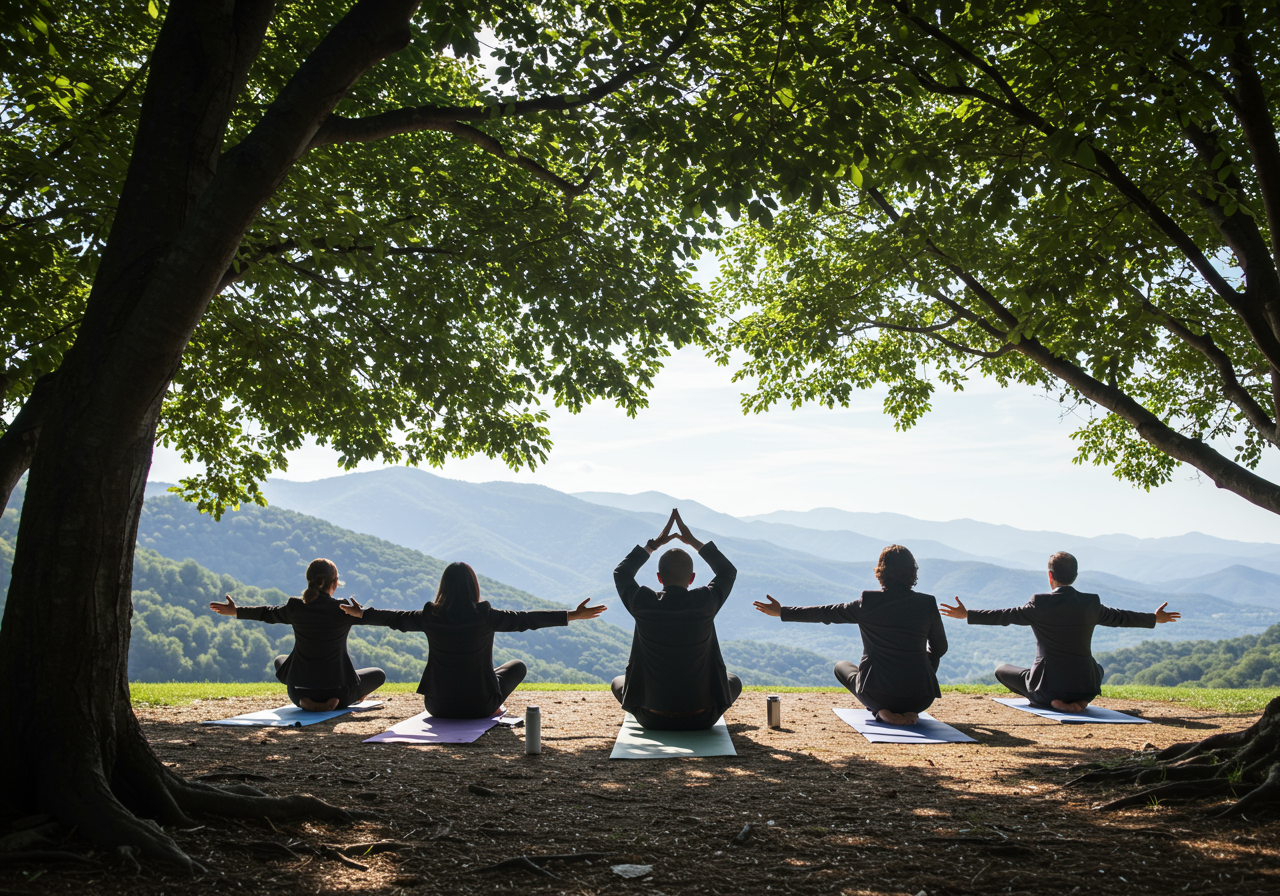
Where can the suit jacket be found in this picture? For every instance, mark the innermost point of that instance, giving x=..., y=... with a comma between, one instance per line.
x=902, y=640
x=459, y=681
x=1063, y=622
x=675, y=663
x=319, y=659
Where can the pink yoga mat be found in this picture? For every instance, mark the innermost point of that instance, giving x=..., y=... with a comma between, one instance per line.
x=425, y=728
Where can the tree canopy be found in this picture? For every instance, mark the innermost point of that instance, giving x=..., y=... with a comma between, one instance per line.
x=1082, y=196
x=400, y=299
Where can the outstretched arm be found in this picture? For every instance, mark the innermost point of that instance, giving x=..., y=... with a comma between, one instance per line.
x=228, y=608
x=585, y=612
x=1161, y=614
x=772, y=608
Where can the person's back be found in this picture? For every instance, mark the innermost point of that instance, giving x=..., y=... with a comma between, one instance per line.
x=460, y=681
x=676, y=677
x=902, y=640
x=675, y=629
x=318, y=672
x=1064, y=675
x=901, y=632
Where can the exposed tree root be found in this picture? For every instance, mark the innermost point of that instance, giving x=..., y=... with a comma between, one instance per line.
x=1243, y=765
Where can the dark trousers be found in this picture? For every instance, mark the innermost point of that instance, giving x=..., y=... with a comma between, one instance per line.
x=369, y=680
x=1018, y=680
x=847, y=675
x=509, y=677
x=698, y=720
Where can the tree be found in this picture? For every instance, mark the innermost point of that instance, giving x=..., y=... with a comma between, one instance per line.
x=1082, y=196
x=242, y=223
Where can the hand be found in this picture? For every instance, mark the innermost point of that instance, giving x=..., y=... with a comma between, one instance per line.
x=956, y=612
x=352, y=608
x=224, y=609
x=654, y=543
x=1162, y=616
x=772, y=608
x=585, y=612
x=685, y=535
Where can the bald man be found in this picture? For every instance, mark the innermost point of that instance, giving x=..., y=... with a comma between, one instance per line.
x=675, y=678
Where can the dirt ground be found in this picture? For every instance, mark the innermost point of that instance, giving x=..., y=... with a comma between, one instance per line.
x=830, y=813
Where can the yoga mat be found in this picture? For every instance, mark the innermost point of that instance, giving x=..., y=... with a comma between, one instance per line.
x=1093, y=714
x=290, y=716
x=927, y=731
x=425, y=728
x=635, y=742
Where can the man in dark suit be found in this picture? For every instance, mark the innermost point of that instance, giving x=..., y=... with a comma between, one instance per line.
x=675, y=678
x=1064, y=675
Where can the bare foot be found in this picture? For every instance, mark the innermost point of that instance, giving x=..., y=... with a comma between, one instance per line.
x=897, y=718
x=316, y=706
x=1062, y=706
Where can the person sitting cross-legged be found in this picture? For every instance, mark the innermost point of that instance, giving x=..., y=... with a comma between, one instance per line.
x=318, y=673
x=675, y=678
x=902, y=640
x=1064, y=675
x=460, y=681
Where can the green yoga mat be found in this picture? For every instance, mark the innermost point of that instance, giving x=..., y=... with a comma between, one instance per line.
x=635, y=742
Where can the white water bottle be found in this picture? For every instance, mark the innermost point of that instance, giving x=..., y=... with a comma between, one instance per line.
x=532, y=730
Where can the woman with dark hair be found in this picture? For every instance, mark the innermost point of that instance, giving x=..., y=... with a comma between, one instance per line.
x=460, y=681
x=318, y=673
x=902, y=640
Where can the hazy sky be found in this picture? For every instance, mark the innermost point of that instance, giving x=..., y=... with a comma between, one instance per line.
x=991, y=454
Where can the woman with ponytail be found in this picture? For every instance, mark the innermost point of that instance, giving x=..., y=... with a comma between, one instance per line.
x=318, y=673
x=460, y=681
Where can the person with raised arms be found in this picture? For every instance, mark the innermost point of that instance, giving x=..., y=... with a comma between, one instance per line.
x=460, y=681
x=675, y=678
x=902, y=640
x=1064, y=675
x=318, y=673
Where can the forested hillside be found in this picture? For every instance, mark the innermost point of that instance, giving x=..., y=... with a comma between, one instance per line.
x=1250, y=661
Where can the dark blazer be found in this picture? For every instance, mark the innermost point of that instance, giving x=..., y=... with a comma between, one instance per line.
x=459, y=681
x=319, y=660
x=902, y=640
x=1063, y=622
x=675, y=663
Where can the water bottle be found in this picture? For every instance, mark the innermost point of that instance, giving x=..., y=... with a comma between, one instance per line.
x=532, y=730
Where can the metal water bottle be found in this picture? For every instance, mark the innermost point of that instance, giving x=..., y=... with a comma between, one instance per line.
x=773, y=702
x=532, y=729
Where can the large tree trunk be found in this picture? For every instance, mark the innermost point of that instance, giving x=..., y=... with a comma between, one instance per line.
x=72, y=746
x=1243, y=766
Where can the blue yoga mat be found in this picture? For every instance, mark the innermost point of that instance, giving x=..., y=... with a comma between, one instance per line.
x=289, y=716
x=927, y=731
x=1095, y=714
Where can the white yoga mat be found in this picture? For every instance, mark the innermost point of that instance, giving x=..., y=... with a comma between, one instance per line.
x=927, y=731
x=1095, y=714
x=635, y=742
x=290, y=716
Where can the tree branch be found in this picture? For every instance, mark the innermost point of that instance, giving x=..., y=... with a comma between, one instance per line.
x=20, y=438
x=1224, y=472
x=491, y=145
x=1253, y=111
x=1151, y=429
x=337, y=129
x=1235, y=392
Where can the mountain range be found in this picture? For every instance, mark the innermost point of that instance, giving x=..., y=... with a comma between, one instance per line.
x=564, y=547
x=392, y=530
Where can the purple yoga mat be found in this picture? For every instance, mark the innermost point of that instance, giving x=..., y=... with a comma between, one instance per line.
x=425, y=728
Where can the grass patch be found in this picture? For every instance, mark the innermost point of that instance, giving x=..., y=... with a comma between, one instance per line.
x=180, y=693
